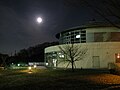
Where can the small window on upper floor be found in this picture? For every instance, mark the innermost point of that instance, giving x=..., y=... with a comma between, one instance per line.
x=78, y=36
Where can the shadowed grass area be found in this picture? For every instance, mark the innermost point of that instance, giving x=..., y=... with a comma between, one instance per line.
x=44, y=79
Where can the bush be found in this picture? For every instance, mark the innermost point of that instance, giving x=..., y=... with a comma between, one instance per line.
x=1, y=68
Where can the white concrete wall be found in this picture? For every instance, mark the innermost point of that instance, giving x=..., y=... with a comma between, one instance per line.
x=105, y=50
x=102, y=29
x=90, y=32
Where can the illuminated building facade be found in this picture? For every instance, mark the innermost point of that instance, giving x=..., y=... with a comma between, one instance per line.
x=101, y=40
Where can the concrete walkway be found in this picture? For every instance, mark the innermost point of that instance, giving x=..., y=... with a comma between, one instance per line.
x=41, y=67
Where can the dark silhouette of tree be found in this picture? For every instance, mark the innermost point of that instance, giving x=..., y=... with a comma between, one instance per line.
x=32, y=54
x=4, y=60
x=73, y=53
x=109, y=10
x=22, y=56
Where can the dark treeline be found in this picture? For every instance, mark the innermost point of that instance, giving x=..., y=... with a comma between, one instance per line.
x=31, y=54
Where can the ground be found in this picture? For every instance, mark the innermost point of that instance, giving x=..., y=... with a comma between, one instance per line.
x=50, y=79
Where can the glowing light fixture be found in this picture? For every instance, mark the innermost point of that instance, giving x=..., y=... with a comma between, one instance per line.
x=18, y=65
x=118, y=56
x=30, y=68
x=35, y=66
x=77, y=36
x=46, y=64
x=62, y=56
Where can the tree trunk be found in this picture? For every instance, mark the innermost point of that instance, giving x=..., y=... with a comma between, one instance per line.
x=72, y=66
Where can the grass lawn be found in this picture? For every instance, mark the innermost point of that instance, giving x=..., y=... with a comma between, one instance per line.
x=45, y=79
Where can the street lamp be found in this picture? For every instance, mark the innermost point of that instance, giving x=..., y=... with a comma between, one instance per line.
x=30, y=68
x=35, y=66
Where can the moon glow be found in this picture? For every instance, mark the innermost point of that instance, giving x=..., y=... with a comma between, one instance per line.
x=39, y=19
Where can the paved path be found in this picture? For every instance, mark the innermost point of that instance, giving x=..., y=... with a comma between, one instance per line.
x=41, y=67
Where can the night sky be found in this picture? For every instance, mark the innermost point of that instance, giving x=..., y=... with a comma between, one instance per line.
x=19, y=29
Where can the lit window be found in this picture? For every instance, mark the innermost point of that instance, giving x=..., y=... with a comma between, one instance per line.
x=118, y=56
x=61, y=55
x=55, y=62
x=77, y=36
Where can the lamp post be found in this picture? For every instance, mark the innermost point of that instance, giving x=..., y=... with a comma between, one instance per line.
x=35, y=66
x=30, y=68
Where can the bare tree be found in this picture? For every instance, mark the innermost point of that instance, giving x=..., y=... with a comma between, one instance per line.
x=4, y=60
x=109, y=10
x=73, y=53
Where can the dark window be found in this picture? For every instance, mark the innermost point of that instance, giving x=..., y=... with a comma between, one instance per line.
x=83, y=41
x=83, y=35
x=83, y=38
x=83, y=31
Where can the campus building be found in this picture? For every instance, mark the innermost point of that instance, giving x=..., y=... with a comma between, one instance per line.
x=101, y=40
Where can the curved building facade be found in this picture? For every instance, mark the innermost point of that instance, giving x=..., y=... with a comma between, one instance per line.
x=102, y=42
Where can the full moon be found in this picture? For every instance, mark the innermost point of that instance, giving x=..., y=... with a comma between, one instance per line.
x=39, y=19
